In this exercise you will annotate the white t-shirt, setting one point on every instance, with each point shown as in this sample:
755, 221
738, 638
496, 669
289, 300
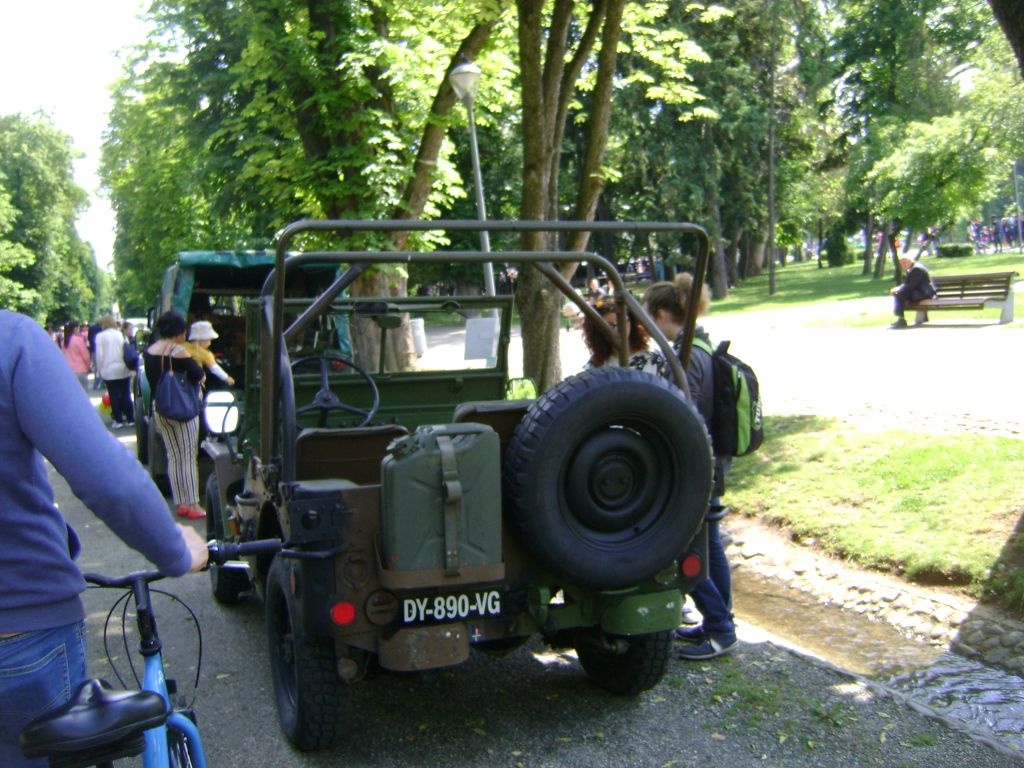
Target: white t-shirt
110, 355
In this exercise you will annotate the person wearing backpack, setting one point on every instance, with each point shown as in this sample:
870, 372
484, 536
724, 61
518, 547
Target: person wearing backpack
666, 302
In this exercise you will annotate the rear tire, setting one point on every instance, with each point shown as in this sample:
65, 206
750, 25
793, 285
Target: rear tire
641, 667
310, 696
179, 755
227, 584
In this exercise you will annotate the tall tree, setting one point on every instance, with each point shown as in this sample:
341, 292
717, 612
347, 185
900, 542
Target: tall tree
268, 111
47, 271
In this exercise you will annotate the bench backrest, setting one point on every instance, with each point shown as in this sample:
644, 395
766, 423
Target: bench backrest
993, 285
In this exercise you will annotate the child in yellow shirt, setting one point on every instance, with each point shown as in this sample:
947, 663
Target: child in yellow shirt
198, 346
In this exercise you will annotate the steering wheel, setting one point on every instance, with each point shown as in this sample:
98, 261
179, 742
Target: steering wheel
326, 401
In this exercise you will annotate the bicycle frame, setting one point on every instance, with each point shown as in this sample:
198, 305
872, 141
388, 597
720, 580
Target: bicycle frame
157, 754
157, 746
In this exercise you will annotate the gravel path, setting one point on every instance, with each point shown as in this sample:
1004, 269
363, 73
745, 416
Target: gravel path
952, 373
765, 705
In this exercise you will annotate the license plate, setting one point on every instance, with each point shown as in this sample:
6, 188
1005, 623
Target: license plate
479, 604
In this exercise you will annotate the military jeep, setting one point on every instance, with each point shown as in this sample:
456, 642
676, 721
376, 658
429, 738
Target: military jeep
422, 513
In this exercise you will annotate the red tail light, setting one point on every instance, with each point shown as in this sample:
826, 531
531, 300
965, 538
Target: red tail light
343, 613
691, 566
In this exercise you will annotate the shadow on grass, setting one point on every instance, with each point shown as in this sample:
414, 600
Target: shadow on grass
774, 456
1004, 589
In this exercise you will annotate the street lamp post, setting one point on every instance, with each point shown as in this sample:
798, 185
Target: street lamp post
464, 80
1016, 194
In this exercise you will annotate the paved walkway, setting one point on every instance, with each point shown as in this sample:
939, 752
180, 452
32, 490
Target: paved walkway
952, 374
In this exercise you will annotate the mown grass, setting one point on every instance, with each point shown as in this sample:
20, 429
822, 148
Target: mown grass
803, 283
934, 508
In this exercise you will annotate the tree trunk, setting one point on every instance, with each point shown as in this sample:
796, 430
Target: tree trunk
1010, 15
755, 256
716, 271
893, 233
883, 246
548, 84
869, 232
732, 257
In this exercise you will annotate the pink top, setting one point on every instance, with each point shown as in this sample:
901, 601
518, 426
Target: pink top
77, 354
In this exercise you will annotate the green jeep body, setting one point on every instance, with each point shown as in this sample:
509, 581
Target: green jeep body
201, 285
423, 513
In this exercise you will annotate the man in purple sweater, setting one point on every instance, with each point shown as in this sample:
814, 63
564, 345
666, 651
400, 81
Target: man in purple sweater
45, 413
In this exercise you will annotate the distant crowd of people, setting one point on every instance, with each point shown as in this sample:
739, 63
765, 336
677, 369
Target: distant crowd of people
997, 234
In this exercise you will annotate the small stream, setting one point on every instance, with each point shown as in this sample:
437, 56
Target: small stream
987, 700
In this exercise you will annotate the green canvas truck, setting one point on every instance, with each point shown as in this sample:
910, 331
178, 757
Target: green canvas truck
424, 515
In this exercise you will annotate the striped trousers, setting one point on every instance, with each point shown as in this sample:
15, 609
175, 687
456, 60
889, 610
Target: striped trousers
181, 438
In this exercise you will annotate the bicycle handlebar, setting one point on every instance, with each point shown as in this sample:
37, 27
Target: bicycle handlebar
220, 553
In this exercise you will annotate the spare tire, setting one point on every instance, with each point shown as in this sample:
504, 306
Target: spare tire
609, 476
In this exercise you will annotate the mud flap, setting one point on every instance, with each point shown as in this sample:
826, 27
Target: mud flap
644, 613
417, 648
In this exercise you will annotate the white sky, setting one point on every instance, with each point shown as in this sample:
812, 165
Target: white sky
60, 56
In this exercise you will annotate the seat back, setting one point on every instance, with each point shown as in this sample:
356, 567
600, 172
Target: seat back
503, 416
349, 454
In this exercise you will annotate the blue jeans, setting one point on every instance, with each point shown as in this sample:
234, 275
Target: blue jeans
120, 391
713, 596
38, 671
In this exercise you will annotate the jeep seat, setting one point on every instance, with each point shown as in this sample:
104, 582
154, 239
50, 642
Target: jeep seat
349, 454
503, 416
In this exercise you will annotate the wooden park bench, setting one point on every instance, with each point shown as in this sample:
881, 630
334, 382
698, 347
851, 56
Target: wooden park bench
983, 291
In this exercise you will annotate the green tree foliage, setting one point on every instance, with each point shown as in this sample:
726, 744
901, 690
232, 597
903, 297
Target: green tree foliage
899, 64
46, 271
940, 172
237, 119
837, 250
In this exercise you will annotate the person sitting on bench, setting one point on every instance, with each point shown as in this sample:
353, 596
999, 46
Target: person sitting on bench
917, 285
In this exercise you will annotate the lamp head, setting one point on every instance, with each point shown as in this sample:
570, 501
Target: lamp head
464, 80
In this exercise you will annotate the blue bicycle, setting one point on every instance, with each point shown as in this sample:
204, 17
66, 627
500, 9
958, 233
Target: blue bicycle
99, 725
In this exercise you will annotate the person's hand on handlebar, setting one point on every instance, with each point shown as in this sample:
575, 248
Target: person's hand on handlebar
196, 547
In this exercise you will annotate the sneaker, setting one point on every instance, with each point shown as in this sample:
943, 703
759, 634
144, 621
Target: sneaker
183, 510
690, 616
689, 634
195, 513
711, 648
901, 323
117, 425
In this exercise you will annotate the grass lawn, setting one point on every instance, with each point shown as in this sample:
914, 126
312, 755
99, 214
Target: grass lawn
949, 511
802, 284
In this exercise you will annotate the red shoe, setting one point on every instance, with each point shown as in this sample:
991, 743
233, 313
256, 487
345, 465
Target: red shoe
192, 513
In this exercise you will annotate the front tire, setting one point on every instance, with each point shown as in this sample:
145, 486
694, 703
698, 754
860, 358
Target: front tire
638, 669
227, 584
307, 690
141, 431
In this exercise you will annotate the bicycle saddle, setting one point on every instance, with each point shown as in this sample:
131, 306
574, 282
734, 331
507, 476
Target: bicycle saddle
96, 721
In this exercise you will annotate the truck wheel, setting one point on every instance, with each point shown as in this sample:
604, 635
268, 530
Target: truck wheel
156, 454
141, 433
227, 584
307, 690
639, 668
608, 476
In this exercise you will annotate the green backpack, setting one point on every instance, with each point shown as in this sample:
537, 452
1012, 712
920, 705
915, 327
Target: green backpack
736, 426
